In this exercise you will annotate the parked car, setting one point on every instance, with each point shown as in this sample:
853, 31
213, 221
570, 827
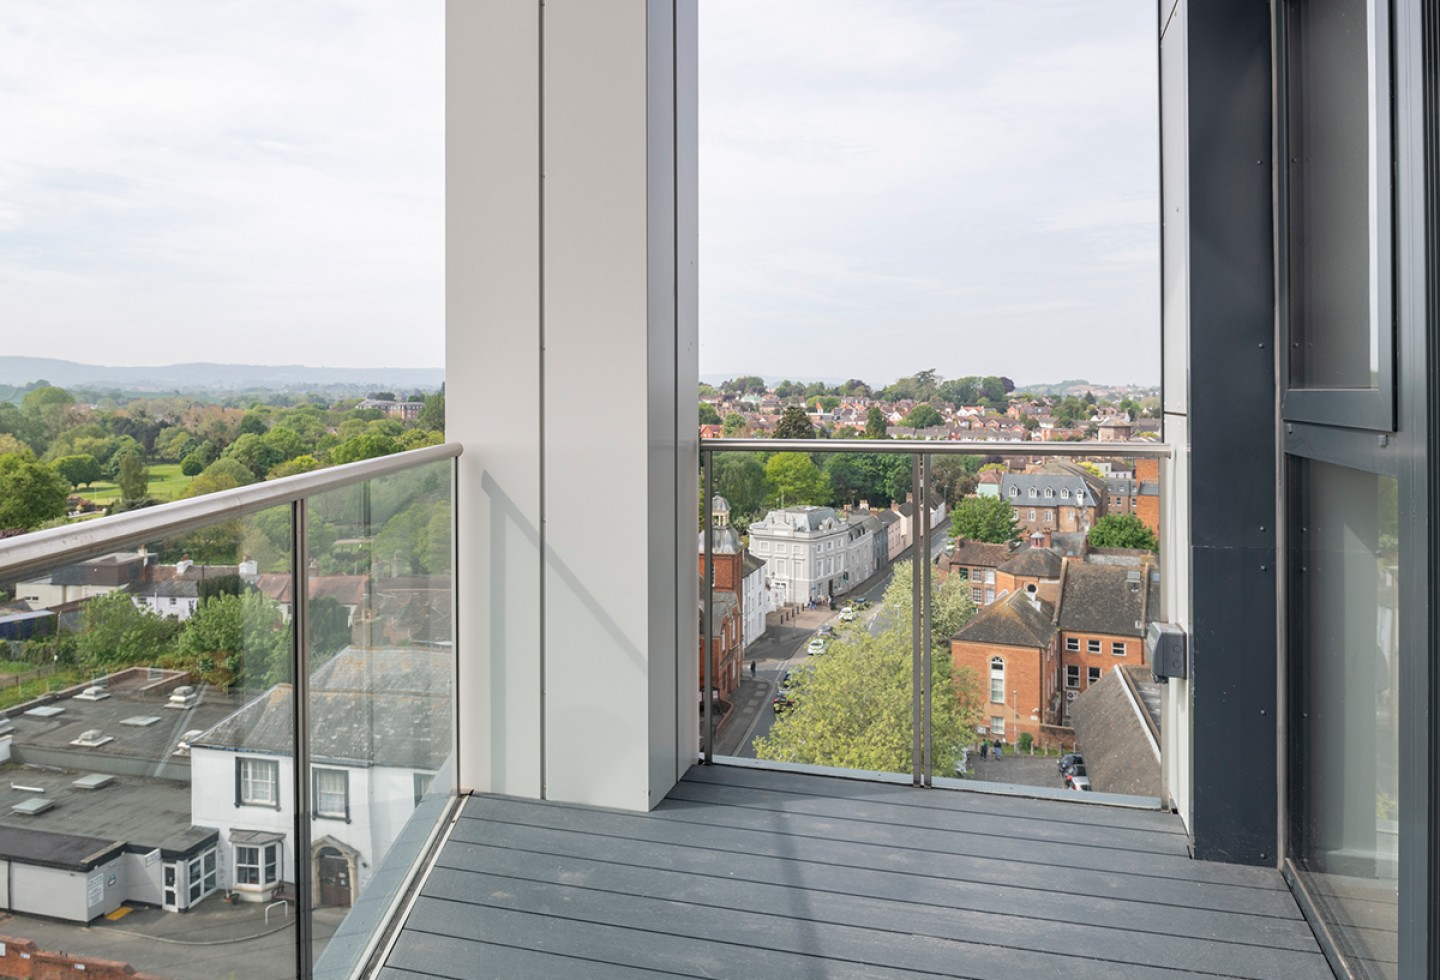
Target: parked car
827, 630
1077, 771
1070, 759
847, 614
1078, 782
862, 603
782, 702
817, 645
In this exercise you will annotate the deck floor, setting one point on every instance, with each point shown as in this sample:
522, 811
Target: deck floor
751, 874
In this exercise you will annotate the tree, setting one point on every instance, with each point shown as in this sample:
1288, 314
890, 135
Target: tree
708, 415
241, 639
740, 479
31, 493
79, 470
133, 477
193, 464
329, 630
381, 396
733, 425
984, 519
254, 453
253, 424
223, 474
432, 416
855, 708
118, 633
366, 445
1122, 531
923, 417
793, 478
875, 425
794, 424
748, 384
300, 464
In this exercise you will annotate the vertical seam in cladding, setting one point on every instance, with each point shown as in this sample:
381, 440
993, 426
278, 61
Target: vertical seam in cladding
540, 280
678, 401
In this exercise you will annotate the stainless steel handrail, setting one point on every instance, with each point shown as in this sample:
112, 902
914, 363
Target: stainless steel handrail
939, 447
56, 546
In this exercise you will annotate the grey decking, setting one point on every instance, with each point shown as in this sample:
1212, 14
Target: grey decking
752, 874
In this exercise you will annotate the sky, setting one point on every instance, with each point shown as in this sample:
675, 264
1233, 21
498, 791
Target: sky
893, 185
885, 185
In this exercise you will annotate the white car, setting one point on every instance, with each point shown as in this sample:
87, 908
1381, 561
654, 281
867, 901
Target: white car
816, 645
847, 614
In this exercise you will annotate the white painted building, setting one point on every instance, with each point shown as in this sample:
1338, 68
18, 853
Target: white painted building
380, 730
756, 598
804, 550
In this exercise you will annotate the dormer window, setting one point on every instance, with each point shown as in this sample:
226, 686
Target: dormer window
1049, 493
1034, 492
1014, 491
1064, 493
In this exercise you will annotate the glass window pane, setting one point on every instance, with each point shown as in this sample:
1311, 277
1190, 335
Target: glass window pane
1346, 660
1334, 318
382, 669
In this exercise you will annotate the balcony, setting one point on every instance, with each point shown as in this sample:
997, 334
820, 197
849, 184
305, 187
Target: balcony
750, 873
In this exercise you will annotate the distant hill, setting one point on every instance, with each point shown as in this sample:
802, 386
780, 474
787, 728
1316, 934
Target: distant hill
210, 377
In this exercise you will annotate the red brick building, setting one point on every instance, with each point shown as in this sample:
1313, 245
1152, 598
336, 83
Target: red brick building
1058, 497
1011, 649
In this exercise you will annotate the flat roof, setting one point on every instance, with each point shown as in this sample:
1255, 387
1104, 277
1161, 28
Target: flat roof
29, 845
138, 812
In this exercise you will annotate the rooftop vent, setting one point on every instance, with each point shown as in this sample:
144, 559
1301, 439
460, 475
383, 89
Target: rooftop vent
92, 694
32, 806
140, 721
45, 711
182, 698
92, 738
94, 780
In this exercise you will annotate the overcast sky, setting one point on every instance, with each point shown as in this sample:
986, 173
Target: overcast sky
886, 185
893, 185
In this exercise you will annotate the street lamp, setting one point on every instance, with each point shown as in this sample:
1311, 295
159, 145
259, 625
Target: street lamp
1014, 707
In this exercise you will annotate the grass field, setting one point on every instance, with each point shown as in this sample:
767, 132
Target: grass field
166, 483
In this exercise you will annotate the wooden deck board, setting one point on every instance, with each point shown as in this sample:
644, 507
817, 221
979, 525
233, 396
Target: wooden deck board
745, 873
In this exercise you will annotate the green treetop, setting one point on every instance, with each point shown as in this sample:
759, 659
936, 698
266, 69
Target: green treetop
985, 519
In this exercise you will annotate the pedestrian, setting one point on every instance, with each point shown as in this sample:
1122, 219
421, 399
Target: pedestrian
999, 748
752, 668
984, 748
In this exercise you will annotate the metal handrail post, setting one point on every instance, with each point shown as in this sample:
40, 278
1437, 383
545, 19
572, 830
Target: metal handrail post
917, 706
922, 514
300, 696
706, 624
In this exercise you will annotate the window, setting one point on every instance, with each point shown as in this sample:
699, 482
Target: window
257, 782
997, 726
780, 548
977, 594
1092, 646
989, 576
1092, 675
1032, 514
1117, 649
202, 876
1014, 491
257, 864
1064, 493
1034, 493
989, 596
997, 679
1072, 676
1072, 643
1049, 492
332, 794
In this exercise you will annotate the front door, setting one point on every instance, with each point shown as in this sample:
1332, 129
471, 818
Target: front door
169, 899
334, 878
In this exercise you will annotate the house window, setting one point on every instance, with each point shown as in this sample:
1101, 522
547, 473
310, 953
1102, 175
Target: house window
1049, 493
257, 864
1072, 676
1014, 491
977, 594
332, 794
1072, 643
989, 596
257, 782
1032, 514
989, 576
1092, 646
997, 679
997, 726
1118, 649
1034, 493
779, 549
1064, 493
1092, 675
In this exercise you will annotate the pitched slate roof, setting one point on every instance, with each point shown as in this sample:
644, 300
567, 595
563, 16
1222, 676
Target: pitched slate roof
980, 553
1015, 620
1103, 599
1056, 476
1034, 563
384, 707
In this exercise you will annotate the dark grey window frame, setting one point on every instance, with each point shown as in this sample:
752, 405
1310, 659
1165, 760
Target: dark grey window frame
240, 762
1370, 409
